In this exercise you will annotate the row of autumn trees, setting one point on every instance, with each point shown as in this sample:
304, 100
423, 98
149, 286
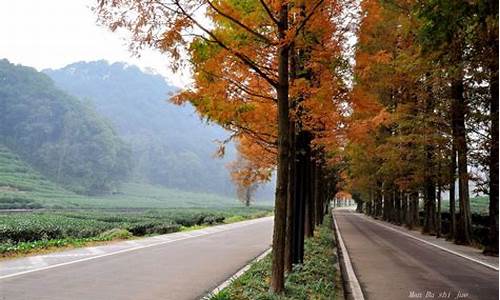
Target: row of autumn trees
425, 108
273, 73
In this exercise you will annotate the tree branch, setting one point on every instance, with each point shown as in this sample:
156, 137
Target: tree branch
241, 56
260, 36
269, 12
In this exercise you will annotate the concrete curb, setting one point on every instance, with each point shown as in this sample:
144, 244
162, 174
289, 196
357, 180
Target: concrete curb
236, 275
352, 288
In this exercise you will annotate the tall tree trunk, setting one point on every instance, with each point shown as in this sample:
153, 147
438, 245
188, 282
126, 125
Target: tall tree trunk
369, 204
453, 173
388, 201
463, 234
378, 197
318, 195
429, 206
430, 172
290, 207
278, 261
404, 208
309, 224
291, 203
302, 144
492, 244
438, 214
397, 207
414, 218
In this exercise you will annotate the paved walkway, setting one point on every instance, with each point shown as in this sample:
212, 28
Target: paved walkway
391, 264
183, 265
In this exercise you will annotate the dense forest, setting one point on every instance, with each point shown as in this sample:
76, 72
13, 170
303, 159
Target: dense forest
425, 114
170, 145
62, 137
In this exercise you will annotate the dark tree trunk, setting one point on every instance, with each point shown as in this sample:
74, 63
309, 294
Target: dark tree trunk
369, 205
397, 207
378, 203
404, 208
309, 220
302, 145
429, 177
492, 243
317, 195
290, 202
463, 234
453, 173
359, 206
280, 211
438, 214
429, 207
413, 217
388, 201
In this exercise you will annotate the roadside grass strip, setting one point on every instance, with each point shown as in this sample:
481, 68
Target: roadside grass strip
315, 279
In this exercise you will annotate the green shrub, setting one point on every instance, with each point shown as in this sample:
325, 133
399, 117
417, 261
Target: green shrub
115, 233
234, 219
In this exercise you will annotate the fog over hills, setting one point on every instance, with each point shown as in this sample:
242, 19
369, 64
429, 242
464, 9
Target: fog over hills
171, 146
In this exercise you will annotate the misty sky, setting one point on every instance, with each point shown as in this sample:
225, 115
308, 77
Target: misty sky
54, 33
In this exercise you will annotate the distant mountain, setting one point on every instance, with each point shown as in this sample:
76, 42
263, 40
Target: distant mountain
63, 138
171, 146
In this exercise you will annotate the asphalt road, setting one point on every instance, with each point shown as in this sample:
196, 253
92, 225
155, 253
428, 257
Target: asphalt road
390, 265
187, 268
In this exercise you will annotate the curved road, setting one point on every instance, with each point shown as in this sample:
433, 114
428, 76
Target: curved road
177, 266
390, 265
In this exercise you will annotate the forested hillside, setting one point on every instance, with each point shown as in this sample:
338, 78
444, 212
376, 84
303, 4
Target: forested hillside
60, 136
171, 145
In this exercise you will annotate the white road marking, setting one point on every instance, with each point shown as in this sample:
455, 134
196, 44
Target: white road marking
132, 243
236, 275
352, 280
95, 250
38, 261
245, 223
434, 245
66, 255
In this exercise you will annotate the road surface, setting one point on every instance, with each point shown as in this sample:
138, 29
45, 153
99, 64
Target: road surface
179, 266
390, 265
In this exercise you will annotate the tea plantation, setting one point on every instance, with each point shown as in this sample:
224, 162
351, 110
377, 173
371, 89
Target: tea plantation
35, 213
22, 232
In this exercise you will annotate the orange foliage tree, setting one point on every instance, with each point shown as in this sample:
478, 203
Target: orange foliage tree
240, 54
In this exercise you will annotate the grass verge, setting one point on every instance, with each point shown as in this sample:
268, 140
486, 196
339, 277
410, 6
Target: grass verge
315, 279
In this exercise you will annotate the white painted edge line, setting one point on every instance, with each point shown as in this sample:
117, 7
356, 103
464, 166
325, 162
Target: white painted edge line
352, 280
236, 275
250, 222
434, 245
